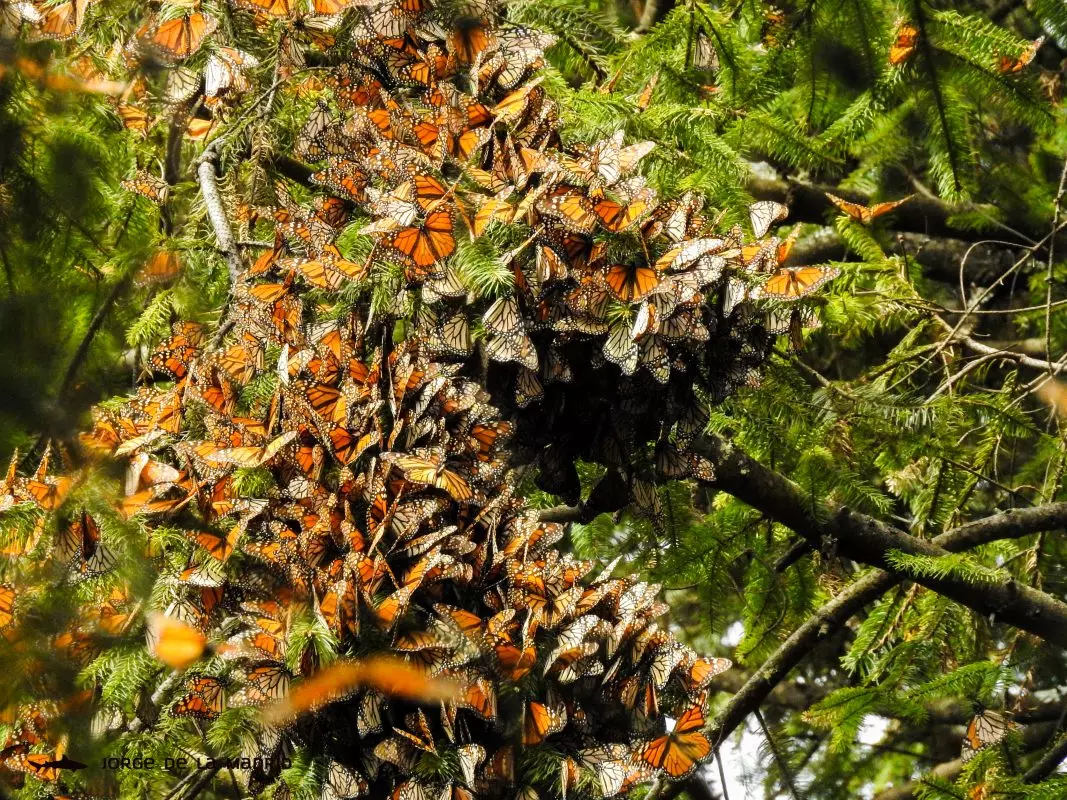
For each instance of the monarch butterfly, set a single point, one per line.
(987, 728)
(617, 216)
(502, 764)
(264, 682)
(79, 546)
(431, 471)
(764, 214)
(864, 214)
(163, 266)
(369, 714)
(203, 701)
(705, 56)
(572, 208)
(63, 21)
(343, 783)
(7, 605)
(470, 756)
(218, 547)
(148, 185)
(452, 337)
(904, 43)
(271, 8)
(329, 7)
(680, 751)
(698, 674)
(494, 209)
(515, 346)
(13, 14)
(421, 736)
(134, 118)
(522, 102)
(426, 244)
(224, 72)
(503, 316)
(600, 165)
(177, 39)
(644, 98)
(631, 282)
(469, 38)
(44, 766)
(542, 721)
(1009, 66)
(792, 283)
(48, 492)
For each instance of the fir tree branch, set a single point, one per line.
(939, 99)
(870, 541)
(90, 333)
(800, 643)
(925, 215)
(1033, 737)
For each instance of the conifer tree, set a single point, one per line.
(433, 311)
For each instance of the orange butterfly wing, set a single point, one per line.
(631, 283)
(794, 283)
(681, 751)
(179, 38)
(904, 45)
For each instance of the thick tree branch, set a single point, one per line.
(781, 500)
(924, 215)
(870, 541)
(653, 12)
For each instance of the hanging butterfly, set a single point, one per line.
(986, 729)
(204, 700)
(905, 40)
(176, 39)
(148, 185)
(62, 21)
(764, 214)
(1010, 66)
(644, 98)
(679, 752)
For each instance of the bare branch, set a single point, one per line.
(209, 188)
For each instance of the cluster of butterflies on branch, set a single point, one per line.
(382, 454)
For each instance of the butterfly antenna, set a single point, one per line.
(783, 768)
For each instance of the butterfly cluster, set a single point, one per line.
(348, 468)
(623, 318)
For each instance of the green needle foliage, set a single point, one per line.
(899, 406)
